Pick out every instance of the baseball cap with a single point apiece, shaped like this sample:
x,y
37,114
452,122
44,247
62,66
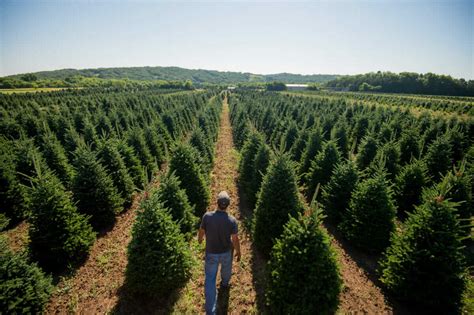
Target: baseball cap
x,y
223,198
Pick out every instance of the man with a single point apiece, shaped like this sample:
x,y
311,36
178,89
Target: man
x,y
222,239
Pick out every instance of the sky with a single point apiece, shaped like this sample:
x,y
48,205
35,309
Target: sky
x,y
308,37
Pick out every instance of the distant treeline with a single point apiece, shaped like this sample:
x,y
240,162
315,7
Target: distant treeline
x,y
33,81
198,76
404,82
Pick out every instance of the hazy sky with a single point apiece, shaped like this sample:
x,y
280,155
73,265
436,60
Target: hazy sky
x,y
343,37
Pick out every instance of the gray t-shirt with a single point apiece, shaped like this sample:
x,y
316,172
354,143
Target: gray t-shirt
x,y
219,226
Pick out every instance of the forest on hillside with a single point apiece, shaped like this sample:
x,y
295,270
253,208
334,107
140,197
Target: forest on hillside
x,y
404,82
197,76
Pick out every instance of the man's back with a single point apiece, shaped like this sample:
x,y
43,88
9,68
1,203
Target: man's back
x,y
219,227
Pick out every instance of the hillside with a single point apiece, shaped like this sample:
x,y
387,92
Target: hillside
x,y
177,74
404,82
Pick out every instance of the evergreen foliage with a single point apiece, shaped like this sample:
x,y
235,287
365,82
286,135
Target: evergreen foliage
x,y
156,145
278,199
183,165
457,188
389,156
367,152
409,186
158,256
174,198
370,218
24,288
322,167
204,148
337,193
116,168
339,135
13,196
438,158
247,169
56,158
315,143
94,190
134,166
304,274
409,146
262,161
137,141
59,235
425,263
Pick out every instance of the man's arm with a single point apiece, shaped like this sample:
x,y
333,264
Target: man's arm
x,y
201,233
236,243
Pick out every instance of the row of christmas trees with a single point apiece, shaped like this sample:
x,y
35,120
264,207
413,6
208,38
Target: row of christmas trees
x,y
361,191
69,202
159,256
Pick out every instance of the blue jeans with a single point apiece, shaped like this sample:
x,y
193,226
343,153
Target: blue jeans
x,y
210,268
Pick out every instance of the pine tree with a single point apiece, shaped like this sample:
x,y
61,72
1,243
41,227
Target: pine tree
x,y
173,197
425,263
409,186
134,166
183,164
59,234
322,167
158,256
136,140
339,135
261,163
315,143
116,168
205,149
299,146
337,193
56,158
370,218
367,151
156,145
389,156
277,200
94,190
409,146
13,196
24,288
457,188
438,158
247,168
304,273
290,137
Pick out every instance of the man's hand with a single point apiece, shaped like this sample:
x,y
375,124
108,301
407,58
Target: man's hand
x,y
236,243
237,256
201,233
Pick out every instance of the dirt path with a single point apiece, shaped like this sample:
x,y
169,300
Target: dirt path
x,y
243,297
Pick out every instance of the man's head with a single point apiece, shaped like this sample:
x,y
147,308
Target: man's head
x,y
223,200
